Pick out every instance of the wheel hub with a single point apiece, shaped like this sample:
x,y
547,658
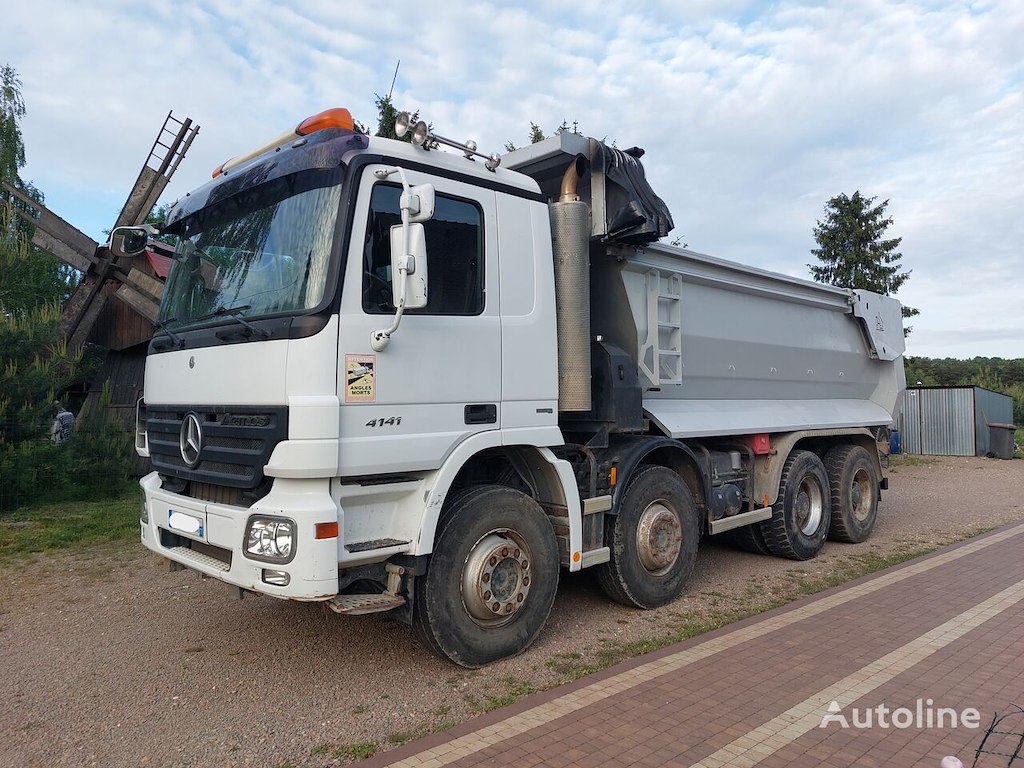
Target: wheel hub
x,y
497,578
861,499
659,538
808,507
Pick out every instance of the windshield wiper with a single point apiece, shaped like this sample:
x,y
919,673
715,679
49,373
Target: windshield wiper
x,y
162,326
233,313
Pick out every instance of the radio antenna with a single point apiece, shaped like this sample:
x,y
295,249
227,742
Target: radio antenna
x,y
393,79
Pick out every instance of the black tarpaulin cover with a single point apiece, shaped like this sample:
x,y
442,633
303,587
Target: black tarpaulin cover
x,y
635,215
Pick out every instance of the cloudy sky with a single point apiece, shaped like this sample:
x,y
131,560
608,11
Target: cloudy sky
x,y
753,114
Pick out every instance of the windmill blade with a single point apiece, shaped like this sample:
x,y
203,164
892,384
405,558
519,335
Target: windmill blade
x,y
53,234
172,142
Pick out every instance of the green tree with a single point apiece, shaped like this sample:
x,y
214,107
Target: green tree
x,y
12,152
537,133
12,109
36,366
853,249
29,277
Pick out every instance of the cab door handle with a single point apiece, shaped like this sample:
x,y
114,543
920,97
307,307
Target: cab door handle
x,y
482,414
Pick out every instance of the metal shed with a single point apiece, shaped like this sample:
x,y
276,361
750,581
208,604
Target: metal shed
x,y
952,421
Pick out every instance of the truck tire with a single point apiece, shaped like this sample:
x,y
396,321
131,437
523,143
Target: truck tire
x,y
492,578
854,480
653,540
799,523
749,538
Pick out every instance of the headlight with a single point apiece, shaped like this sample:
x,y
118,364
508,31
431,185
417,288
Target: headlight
x,y
144,512
271,539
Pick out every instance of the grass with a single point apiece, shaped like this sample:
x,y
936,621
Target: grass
x,y
910,460
514,691
358,750
65,524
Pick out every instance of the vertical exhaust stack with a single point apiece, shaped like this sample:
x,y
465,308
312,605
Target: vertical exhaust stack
x,y
570,234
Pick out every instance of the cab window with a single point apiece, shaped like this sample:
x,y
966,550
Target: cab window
x,y
454,240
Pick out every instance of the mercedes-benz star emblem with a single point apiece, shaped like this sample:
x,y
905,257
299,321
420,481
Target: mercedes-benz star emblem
x,y
191,440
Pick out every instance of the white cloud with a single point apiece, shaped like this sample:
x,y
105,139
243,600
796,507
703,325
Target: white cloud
x,y
753,114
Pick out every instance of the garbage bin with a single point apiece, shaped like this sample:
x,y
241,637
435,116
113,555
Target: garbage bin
x,y
894,441
1000,441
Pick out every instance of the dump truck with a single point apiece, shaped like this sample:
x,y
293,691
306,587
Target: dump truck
x,y
414,378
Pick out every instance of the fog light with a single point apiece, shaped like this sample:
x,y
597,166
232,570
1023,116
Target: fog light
x,y
271,539
276,578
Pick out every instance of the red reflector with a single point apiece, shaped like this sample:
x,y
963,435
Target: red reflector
x,y
759,444
327,530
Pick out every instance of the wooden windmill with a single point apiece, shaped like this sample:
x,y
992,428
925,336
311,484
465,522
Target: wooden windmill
x,y
123,325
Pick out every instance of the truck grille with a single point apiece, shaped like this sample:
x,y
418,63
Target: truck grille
x,y
236,445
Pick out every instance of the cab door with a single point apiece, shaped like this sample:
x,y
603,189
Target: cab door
x,y
439,379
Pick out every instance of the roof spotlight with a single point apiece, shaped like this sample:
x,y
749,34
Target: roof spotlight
x,y
402,124
422,137
419,133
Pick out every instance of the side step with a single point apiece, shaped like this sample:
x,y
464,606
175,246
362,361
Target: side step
x,y
738,521
357,605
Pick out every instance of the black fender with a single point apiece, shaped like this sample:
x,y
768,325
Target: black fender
x,y
628,452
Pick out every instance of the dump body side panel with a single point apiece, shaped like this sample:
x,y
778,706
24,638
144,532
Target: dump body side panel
x,y
725,349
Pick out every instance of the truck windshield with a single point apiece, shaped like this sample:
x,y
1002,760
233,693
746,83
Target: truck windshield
x,y
263,251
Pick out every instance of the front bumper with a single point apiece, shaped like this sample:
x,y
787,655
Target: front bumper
x,y
216,545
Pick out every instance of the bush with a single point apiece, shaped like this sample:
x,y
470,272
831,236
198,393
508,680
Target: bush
x,y
92,463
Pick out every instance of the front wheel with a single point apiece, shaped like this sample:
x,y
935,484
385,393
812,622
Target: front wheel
x,y
653,540
799,523
492,578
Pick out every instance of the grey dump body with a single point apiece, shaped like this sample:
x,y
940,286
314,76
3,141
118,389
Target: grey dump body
x,y
756,351
720,348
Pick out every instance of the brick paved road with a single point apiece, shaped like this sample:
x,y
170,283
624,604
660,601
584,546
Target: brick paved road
x,y
928,641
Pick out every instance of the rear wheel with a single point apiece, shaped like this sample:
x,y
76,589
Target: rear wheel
x,y
653,540
799,523
492,578
749,538
854,480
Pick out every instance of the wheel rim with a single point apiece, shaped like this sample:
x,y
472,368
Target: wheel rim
x,y
497,578
809,507
861,499
659,538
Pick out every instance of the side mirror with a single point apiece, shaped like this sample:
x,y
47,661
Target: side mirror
x,y
415,263
420,202
131,241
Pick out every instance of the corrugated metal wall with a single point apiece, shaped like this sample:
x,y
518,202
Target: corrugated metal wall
x,y
951,421
939,421
990,408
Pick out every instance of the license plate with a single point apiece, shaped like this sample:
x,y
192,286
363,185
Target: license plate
x,y
182,522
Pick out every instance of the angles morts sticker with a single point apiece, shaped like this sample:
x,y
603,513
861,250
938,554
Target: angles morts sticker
x,y
360,385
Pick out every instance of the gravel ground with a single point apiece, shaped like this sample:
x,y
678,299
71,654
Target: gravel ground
x,y
110,660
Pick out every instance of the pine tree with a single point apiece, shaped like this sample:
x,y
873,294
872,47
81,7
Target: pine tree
x,y
853,249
